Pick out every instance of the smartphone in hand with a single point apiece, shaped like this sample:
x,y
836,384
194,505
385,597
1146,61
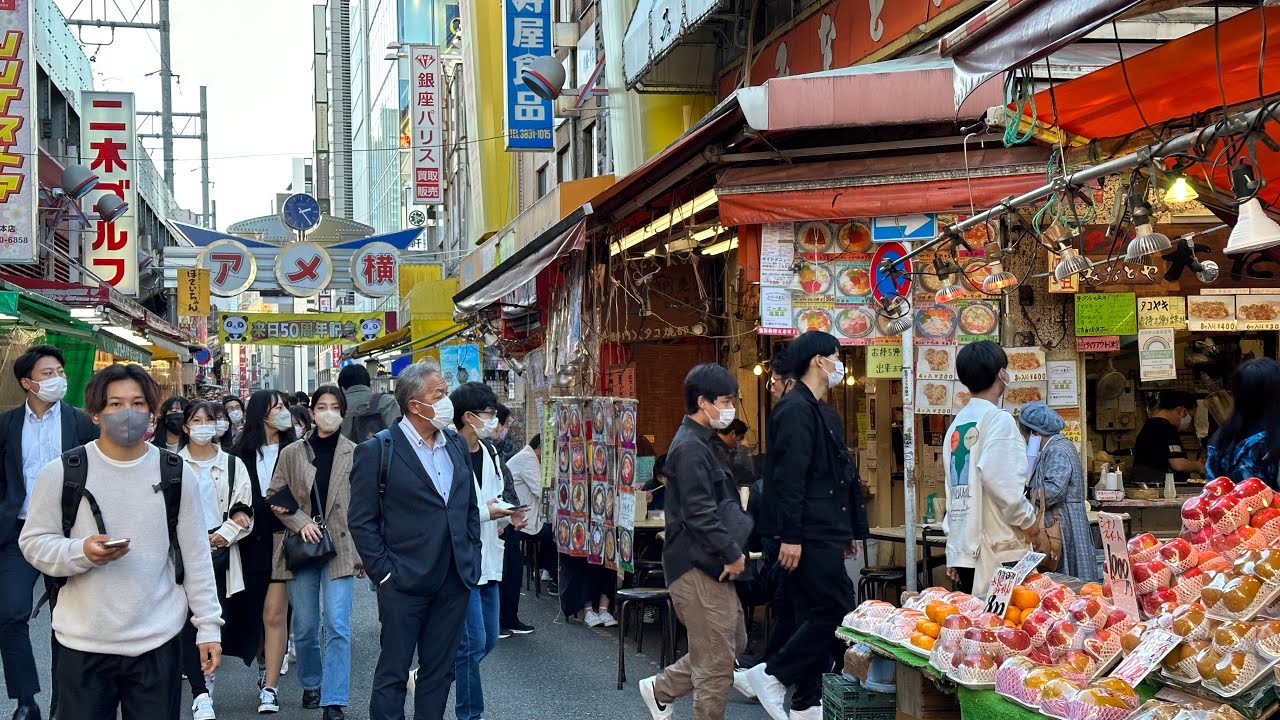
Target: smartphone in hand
x,y
122,542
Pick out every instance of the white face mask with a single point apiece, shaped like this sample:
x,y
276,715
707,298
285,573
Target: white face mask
x,y
282,420
1033,452
1183,425
836,376
486,431
220,428
202,434
328,421
724,419
52,389
237,416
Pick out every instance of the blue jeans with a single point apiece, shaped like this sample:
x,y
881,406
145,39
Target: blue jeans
x,y
478,640
332,675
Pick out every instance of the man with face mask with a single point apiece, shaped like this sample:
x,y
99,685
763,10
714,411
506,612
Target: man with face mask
x,y
417,530
986,472
34,434
813,506
1158,447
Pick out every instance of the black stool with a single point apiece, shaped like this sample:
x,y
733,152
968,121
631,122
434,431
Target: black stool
x,y
642,598
532,573
876,581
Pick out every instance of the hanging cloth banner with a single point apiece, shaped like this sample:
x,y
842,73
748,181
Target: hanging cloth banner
x,y
299,329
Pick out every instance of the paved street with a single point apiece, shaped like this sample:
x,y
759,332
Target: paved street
x,y
560,671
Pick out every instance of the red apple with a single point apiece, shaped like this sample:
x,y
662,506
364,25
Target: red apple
x,y
1202,539
1037,625
1118,620
988,620
1086,611
1013,641
956,622
1041,656
1061,635
1078,661
981,635
1154,602
1219,487
1055,602
1247,538
978,662
1253,494
1227,513
1151,575
1195,513
1142,548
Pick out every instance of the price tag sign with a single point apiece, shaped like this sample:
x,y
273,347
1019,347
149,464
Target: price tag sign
x,y
1005,579
1146,657
1116,567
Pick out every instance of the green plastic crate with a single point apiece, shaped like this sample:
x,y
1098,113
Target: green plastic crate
x,y
845,699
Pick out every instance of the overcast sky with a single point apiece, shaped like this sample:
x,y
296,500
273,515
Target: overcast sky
x,y
254,56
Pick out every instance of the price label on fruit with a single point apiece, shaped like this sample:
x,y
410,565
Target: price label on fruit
x,y
1006,579
1146,657
1116,567
1029,562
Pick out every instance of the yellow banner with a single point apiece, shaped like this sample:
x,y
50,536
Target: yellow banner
x,y
884,361
299,329
193,292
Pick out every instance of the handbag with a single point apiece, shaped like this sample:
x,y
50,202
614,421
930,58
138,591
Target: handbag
x,y
300,554
1046,533
221,556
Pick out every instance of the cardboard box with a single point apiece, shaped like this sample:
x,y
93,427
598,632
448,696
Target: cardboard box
x,y
920,699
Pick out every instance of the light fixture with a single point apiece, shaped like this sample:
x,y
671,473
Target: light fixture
x,y
721,247
518,365
677,215
795,286
544,76
897,311
1070,262
1254,230
1146,240
710,232
758,370
78,181
948,293
109,207
564,377
850,380
1180,191
999,279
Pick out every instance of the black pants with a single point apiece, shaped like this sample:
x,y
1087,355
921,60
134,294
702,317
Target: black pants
x,y
430,624
965,583
512,578
20,675
191,652
94,686
548,556
784,614
821,593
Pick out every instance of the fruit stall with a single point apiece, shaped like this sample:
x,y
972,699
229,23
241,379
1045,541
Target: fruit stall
x,y
1191,621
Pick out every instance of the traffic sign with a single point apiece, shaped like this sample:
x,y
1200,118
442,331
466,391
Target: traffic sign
x,y
920,226
883,285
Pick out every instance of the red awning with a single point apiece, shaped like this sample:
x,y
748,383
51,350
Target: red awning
x,y
875,187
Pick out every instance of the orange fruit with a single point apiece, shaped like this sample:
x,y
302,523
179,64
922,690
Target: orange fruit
x,y
931,629
1025,614
927,643
1013,614
938,611
1024,598
1092,588
1010,623
918,638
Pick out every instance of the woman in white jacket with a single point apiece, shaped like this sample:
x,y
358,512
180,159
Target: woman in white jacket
x,y
475,416
224,492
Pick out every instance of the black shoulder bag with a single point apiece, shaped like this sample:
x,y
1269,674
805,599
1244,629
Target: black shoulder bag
x,y
300,554
221,556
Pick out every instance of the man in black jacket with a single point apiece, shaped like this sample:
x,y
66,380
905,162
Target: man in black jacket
x,y
813,505
420,543
702,556
31,436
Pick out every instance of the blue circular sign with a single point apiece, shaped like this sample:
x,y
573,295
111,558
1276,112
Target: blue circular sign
x,y
884,284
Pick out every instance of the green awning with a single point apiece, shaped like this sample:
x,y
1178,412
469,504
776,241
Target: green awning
x,y
8,306
121,349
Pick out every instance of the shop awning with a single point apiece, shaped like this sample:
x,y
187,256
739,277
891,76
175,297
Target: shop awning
x,y
568,234
390,341
1012,33
894,92
166,349
19,305
121,349
658,43
874,187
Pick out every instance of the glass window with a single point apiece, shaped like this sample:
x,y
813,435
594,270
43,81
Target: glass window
x,y
544,180
564,163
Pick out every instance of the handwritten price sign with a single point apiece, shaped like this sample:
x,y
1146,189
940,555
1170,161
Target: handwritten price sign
x,y
1144,658
1118,571
1005,579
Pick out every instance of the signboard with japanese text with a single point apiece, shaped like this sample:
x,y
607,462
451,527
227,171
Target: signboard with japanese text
x,y
1155,354
426,109
775,311
1116,569
670,307
936,363
933,397
1258,312
232,268
1145,658
300,328
1004,580
375,269
777,252
1170,273
527,33
1064,383
884,361
1162,312
19,190
1069,284
1108,343
1026,364
193,292
1212,313
1105,314
110,146
303,269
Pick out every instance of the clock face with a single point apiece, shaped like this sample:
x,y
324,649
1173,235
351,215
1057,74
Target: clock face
x,y
301,212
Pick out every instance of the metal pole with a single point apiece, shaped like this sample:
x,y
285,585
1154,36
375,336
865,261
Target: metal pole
x,y
204,153
166,94
1233,125
909,450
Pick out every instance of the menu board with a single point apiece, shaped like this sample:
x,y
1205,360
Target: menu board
x,y
933,397
936,362
1212,313
1104,314
1064,383
1258,312
777,251
1155,354
977,320
775,311
1027,364
1162,312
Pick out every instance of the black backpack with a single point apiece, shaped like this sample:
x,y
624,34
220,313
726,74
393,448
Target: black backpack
x,y
75,473
366,420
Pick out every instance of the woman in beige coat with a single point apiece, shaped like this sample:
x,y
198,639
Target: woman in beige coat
x,y
317,473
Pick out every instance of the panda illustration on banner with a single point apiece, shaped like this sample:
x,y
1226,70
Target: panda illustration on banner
x,y
236,328
369,328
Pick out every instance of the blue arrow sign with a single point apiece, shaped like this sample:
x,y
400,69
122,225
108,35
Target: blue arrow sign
x,y
892,228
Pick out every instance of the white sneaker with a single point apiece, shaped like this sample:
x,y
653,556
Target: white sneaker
x,y
771,693
291,653
656,709
412,686
267,701
591,618
202,708
813,713
608,620
262,676
208,683
284,665
743,685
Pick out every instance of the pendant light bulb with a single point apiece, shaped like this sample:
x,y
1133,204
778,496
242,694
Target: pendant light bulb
x,y
1180,192
1254,230
1146,242
999,280
1070,262
948,293
758,370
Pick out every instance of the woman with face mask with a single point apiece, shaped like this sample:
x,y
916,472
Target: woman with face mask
x,y
227,502
316,472
268,429
1056,470
168,432
1158,447
235,414
302,422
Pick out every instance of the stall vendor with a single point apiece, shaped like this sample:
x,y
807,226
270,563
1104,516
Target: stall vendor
x,y
1158,448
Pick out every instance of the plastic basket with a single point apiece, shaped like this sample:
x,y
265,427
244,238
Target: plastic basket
x,y
842,698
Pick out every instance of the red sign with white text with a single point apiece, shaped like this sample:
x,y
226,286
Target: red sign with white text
x,y
110,148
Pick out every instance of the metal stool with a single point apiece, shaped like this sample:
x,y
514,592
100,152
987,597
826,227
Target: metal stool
x,y
642,598
647,572
532,576
876,581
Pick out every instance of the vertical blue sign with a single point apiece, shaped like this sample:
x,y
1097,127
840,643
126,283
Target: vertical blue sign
x,y
528,118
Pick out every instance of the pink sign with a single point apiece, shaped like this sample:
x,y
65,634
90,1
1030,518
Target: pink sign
x,y
1107,343
427,124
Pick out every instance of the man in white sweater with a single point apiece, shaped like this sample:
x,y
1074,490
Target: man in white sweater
x,y
986,472
120,615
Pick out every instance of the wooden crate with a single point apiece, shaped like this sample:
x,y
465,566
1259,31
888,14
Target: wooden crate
x,y
920,699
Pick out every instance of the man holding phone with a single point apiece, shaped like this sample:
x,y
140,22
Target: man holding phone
x,y
33,435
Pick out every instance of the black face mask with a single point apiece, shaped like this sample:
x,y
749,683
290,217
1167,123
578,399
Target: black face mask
x,y
173,423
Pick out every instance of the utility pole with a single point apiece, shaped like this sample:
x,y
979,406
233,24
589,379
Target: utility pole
x,y
168,136
204,156
166,95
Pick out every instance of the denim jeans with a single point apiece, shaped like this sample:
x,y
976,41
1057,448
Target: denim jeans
x,y
332,674
478,640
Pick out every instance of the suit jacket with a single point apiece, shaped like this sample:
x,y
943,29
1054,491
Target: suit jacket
x,y
77,429
411,533
295,471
